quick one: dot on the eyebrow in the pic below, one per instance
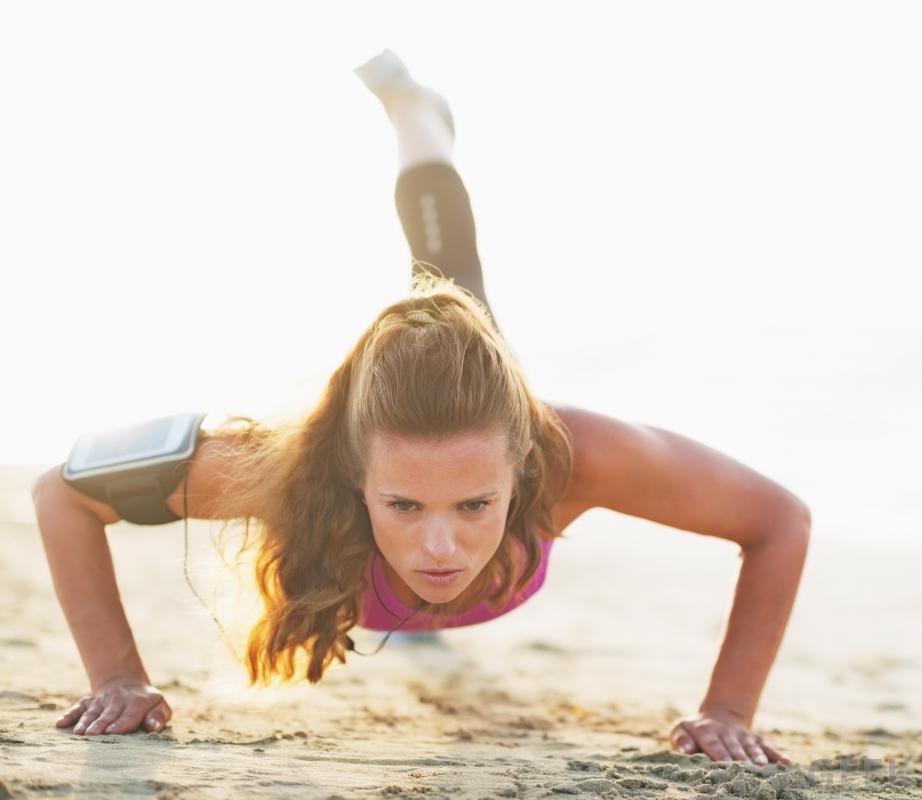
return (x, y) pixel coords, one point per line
(482, 496)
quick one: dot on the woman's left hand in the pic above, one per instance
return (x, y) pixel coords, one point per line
(722, 736)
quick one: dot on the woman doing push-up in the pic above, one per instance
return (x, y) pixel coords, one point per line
(426, 488)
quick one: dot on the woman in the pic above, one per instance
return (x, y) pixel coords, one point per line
(426, 488)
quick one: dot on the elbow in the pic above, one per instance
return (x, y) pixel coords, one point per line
(794, 522)
(787, 524)
(804, 518)
(808, 518)
(793, 515)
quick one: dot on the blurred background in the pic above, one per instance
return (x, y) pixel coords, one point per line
(702, 217)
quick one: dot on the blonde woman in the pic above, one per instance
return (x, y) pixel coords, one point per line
(426, 489)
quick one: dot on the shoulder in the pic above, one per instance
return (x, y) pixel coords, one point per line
(660, 475)
(605, 450)
(51, 487)
(220, 479)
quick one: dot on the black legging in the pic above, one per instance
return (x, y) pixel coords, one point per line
(435, 212)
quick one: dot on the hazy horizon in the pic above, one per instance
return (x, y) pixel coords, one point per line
(705, 220)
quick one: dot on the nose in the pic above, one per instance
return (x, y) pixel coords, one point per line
(439, 544)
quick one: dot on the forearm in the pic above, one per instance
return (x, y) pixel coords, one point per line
(765, 593)
(84, 581)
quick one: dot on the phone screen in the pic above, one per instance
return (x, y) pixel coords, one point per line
(156, 437)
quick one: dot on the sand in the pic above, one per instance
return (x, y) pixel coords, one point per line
(573, 693)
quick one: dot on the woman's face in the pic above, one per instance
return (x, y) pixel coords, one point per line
(437, 506)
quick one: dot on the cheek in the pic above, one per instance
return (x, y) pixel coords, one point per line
(392, 539)
(383, 525)
(488, 541)
(385, 532)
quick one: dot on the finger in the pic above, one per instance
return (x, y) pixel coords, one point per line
(110, 713)
(714, 747)
(775, 755)
(93, 710)
(754, 750)
(732, 743)
(682, 740)
(72, 714)
(157, 717)
(138, 715)
(128, 720)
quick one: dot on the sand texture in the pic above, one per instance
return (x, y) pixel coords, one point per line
(574, 693)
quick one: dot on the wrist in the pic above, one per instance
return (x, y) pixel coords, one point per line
(127, 674)
(718, 709)
(115, 659)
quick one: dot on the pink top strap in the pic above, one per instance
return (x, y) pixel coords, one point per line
(378, 617)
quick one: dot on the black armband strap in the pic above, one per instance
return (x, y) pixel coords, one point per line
(142, 499)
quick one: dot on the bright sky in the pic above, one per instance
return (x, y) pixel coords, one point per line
(703, 217)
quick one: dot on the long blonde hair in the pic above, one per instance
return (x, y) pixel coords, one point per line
(422, 379)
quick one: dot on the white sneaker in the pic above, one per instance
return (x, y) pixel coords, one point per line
(387, 77)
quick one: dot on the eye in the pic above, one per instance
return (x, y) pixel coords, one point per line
(397, 503)
(482, 504)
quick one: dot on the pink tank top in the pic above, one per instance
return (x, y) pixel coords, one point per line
(378, 617)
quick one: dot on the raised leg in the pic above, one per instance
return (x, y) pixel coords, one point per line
(432, 201)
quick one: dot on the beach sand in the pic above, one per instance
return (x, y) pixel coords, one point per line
(573, 693)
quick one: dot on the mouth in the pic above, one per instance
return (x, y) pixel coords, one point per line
(439, 577)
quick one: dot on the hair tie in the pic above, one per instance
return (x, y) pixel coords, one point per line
(420, 315)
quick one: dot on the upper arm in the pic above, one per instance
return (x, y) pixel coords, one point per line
(668, 478)
(213, 471)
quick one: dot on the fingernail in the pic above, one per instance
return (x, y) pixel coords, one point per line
(155, 724)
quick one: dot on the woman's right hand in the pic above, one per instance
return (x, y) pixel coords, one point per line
(120, 705)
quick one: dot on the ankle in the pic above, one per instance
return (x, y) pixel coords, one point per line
(422, 107)
(404, 100)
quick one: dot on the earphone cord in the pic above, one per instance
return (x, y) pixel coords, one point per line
(350, 644)
(185, 564)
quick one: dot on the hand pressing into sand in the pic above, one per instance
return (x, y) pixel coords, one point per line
(722, 736)
(118, 706)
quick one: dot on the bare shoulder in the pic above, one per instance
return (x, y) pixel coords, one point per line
(604, 448)
(660, 475)
(52, 488)
(215, 471)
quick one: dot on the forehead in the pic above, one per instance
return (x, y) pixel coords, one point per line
(466, 456)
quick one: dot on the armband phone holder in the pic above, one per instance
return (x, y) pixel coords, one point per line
(135, 468)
